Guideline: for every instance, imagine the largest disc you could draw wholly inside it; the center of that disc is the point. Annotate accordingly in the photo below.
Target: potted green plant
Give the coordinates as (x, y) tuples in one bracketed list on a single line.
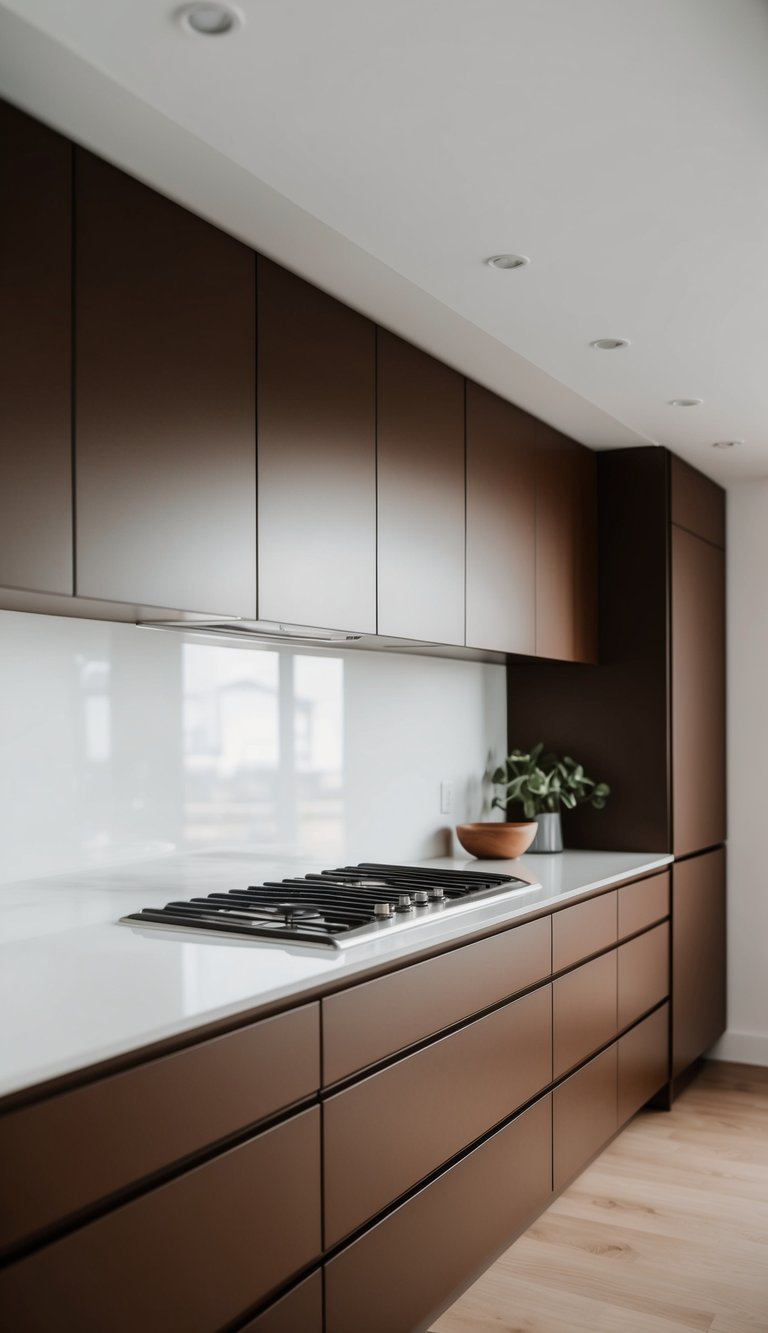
[(542, 784)]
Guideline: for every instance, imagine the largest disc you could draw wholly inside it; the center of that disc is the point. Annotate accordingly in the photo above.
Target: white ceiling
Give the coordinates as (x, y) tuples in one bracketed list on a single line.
[(384, 148)]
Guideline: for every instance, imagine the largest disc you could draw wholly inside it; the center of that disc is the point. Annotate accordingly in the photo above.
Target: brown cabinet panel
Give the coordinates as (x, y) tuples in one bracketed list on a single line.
[(402, 1273), (384, 1135), (165, 401), (501, 524), (643, 973), (582, 930), (36, 363), (224, 1085), (698, 693), (369, 1022), (643, 1062), (697, 503), (583, 1116), (300, 1311), (583, 1011), (420, 494), (317, 457), (566, 548), (698, 957), (193, 1255), (643, 903)]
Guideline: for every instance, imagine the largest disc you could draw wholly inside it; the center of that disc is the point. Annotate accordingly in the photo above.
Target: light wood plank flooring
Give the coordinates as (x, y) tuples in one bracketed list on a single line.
[(666, 1231)]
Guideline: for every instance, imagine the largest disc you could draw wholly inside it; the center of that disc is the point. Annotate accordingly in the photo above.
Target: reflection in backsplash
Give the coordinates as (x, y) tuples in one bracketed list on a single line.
[(118, 742)]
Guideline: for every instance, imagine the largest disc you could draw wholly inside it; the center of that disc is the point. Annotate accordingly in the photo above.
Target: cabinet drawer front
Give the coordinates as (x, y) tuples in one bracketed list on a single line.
[(372, 1021), (643, 903), (587, 928), (584, 1115), (643, 1062), (221, 1086), (192, 1255), (403, 1272), (384, 1135), (583, 1012), (300, 1311), (643, 973)]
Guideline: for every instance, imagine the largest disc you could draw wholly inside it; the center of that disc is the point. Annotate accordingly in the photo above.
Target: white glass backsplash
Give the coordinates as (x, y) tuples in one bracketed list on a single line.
[(118, 742)]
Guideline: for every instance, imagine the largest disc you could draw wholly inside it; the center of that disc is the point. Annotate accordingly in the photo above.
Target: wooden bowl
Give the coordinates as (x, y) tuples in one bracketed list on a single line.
[(496, 842)]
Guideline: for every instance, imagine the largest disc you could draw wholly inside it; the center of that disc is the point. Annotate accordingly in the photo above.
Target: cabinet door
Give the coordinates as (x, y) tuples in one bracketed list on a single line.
[(165, 402), (501, 518), (583, 1116), (566, 548), (420, 468), (698, 957), (698, 693), (35, 367), (317, 457)]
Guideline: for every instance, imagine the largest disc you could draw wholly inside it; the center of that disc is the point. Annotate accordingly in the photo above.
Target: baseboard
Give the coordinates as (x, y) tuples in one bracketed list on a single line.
[(743, 1048)]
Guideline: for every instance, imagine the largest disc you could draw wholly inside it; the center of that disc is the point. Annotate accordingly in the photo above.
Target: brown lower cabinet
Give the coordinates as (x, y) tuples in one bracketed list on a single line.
[(300, 1311), (698, 956), (404, 1271), (194, 1254), (583, 1115), (643, 1062)]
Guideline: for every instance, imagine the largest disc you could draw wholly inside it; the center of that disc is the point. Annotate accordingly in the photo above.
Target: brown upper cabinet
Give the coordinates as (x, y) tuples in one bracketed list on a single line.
[(566, 548), (420, 467), (35, 367), (501, 524), (317, 457), (165, 401)]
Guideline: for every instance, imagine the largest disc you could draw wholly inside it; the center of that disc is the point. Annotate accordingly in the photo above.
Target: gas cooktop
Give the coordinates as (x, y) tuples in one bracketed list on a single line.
[(339, 908)]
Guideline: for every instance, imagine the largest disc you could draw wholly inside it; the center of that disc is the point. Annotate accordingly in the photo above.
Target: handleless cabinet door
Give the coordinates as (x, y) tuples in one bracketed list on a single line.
[(317, 457), (420, 468), (165, 401), (698, 693), (566, 548), (35, 366), (584, 1116), (501, 518), (698, 957)]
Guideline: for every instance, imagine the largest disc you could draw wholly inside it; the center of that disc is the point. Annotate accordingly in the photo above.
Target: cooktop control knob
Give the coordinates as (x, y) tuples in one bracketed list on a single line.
[(420, 897), (437, 894), (404, 903), (382, 910)]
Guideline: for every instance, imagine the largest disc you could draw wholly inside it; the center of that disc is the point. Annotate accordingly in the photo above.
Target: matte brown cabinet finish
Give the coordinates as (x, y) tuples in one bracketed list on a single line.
[(317, 457), (224, 1085), (387, 1133), (583, 1011), (400, 1275), (698, 693), (367, 1023), (420, 496), (643, 974), (697, 503), (501, 524), (583, 1116), (566, 548), (193, 1254), (582, 930), (643, 903), (643, 1062), (698, 956), (36, 364), (165, 401), (300, 1311)]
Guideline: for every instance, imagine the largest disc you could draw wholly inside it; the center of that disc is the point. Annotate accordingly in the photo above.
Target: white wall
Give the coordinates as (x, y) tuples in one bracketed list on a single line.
[(118, 742), (746, 1038)]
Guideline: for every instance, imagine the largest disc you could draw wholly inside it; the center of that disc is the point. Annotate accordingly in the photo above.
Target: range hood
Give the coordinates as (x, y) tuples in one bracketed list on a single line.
[(233, 627)]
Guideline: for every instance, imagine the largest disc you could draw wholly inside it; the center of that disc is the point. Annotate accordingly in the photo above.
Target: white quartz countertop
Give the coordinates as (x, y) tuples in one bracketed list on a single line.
[(77, 987)]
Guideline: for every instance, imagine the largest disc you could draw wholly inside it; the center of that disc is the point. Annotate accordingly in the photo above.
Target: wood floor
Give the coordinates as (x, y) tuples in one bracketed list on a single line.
[(667, 1230)]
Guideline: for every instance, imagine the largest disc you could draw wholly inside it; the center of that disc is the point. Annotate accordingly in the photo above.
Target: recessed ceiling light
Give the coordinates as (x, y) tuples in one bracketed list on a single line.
[(209, 19), (609, 344), (508, 261), (727, 444), (685, 402)]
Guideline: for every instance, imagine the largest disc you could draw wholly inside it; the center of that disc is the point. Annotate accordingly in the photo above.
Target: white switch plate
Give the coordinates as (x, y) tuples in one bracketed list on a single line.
[(446, 798)]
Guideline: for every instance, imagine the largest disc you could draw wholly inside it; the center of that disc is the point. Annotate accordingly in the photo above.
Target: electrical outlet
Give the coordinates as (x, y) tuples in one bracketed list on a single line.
[(446, 798)]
